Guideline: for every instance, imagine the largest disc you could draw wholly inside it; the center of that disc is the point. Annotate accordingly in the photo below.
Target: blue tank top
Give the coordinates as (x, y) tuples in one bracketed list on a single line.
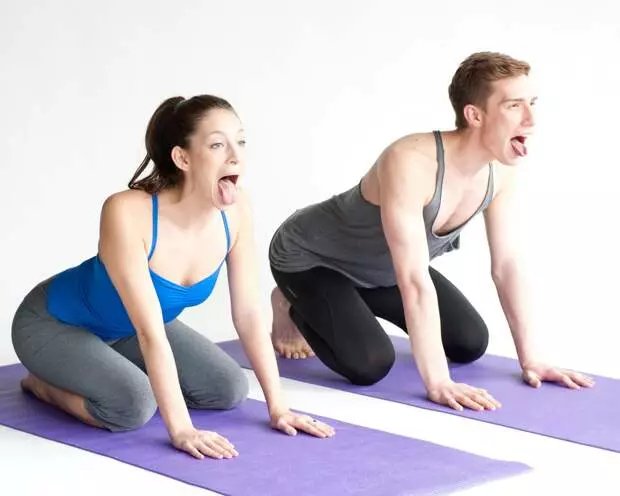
[(84, 295)]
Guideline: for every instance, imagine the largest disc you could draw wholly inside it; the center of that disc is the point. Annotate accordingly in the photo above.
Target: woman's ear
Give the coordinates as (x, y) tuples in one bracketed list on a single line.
[(180, 159)]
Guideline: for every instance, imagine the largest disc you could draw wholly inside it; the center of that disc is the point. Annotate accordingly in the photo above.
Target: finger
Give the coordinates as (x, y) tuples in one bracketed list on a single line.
[(532, 379), (207, 436), (582, 380), (296, 355), (302, 355), (227, 445), (468, 402), (568, 382), (209, 449), (486, 396), (486, 403), (328, 430), (493, 400), (284, 426), (454, 404), (311, 426), (191, 449)]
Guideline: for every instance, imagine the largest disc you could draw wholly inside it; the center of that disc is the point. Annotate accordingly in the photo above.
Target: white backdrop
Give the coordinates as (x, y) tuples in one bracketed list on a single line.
[(322, 88)]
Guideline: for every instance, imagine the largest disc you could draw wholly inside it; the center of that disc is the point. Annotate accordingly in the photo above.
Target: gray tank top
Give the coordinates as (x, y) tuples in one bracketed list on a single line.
[(345, 233)]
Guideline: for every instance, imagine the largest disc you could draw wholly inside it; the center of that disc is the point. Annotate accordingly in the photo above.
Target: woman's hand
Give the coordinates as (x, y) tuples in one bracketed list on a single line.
[(203, 443), (290, 422)]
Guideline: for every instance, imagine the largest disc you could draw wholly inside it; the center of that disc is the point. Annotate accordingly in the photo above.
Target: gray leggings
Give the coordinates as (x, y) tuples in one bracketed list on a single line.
[(111, 376)]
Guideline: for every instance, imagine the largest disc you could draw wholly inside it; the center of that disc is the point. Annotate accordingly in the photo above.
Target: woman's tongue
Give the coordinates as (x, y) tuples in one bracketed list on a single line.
[(227, 190), (518, 146)]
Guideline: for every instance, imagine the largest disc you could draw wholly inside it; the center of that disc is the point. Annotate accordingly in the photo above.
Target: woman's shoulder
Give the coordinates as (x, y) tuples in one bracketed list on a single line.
[(130, 208), (127, 201)]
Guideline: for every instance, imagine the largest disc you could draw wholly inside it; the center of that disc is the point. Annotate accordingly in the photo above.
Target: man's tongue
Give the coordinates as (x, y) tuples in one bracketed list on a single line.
[(519, 147), (227, 190)]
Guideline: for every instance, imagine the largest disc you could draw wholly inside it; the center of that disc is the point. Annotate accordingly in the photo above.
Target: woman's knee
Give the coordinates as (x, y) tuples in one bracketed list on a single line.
[(131, 406), (222, 391)]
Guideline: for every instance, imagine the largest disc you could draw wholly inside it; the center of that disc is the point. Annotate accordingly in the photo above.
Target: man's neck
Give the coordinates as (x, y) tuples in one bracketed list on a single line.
[(464, 152)]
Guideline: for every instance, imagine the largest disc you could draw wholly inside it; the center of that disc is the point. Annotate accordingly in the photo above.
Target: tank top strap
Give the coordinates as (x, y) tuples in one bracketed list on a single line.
[(154, 229), (226, 228), (432, 208)]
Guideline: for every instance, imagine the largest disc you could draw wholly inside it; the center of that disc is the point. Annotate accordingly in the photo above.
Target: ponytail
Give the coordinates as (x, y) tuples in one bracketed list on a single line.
[(172, 124), (161, 137)]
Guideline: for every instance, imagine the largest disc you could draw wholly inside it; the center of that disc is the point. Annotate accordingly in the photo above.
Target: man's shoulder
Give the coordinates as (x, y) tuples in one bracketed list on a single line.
[(415, 153)]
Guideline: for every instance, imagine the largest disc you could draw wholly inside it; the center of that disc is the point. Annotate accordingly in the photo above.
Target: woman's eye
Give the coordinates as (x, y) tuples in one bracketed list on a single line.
[(216, 145)]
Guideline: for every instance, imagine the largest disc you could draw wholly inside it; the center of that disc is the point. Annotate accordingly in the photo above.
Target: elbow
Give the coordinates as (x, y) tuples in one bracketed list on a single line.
[(414, 288), (247, 321), (500, 272), (151, 342)]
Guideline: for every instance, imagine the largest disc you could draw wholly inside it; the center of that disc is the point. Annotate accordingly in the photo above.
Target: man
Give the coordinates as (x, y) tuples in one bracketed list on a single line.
[(366, 252)]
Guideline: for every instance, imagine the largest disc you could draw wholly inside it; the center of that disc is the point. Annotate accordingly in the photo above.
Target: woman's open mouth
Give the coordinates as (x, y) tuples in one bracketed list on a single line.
[(227, 188)]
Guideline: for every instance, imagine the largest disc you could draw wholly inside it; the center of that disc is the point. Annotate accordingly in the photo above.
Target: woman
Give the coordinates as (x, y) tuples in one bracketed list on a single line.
[(102, 340)]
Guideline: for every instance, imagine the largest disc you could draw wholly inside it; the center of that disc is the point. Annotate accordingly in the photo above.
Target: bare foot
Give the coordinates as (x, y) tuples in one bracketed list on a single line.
[(34, 385), (66, 401), (285, 337)]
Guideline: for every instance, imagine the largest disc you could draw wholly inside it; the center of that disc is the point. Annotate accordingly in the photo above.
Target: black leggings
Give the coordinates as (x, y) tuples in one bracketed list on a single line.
[(337, 319)]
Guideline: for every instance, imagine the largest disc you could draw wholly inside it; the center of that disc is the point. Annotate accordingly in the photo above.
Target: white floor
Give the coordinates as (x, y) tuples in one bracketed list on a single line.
[(30, 465)]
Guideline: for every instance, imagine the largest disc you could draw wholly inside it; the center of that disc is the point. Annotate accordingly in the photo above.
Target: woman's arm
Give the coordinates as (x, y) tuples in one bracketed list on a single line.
[(251, 325), (122, 251)]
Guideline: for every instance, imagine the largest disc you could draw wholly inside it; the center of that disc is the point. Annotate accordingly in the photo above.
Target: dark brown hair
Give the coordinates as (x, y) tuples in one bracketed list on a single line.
[(172, 124), (471, 83)]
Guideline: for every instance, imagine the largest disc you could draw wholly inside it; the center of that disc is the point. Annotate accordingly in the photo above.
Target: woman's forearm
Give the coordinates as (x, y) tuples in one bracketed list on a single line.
[(257, 345), (163, 376)]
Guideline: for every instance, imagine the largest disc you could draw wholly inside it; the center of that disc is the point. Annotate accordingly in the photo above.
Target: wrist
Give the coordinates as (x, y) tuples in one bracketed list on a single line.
[(526, 357), (178, 428), (277, 409), (437, 380)]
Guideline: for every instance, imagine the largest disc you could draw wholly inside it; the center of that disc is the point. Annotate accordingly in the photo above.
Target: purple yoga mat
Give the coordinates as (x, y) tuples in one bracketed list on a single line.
[(357, 460), (586, 416)]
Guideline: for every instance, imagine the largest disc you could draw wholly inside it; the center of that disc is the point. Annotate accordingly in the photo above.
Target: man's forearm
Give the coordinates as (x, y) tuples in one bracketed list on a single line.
[(511, 290), (424, 329)]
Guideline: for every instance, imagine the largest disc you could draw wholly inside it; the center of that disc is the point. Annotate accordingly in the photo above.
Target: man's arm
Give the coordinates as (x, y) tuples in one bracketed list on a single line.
[(507, 265), (508, 273), (404, 185)]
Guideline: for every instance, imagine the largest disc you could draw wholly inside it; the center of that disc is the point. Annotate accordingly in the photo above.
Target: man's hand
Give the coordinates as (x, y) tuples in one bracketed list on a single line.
[(535, 374)]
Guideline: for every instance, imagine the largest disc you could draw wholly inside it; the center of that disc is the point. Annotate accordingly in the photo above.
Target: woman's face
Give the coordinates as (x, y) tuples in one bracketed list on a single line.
[(215, 158)]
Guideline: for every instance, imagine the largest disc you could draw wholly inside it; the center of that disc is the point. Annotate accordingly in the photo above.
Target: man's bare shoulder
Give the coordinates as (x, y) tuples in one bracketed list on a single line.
[(415, 153)]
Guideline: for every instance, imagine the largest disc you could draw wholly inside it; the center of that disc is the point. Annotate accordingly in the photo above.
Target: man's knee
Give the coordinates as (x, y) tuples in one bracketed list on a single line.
[(470, 346), (370, 368)]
